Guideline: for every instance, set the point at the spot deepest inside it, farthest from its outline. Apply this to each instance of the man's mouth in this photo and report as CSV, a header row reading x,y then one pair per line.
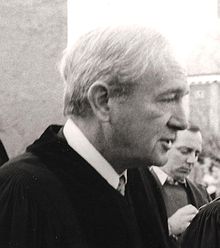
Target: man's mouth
x,y
184,170
168,143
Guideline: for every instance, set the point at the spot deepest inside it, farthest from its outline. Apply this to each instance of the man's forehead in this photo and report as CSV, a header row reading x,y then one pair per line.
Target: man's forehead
x,y
189,138
171,80
167,84
188,133
168,76
173,85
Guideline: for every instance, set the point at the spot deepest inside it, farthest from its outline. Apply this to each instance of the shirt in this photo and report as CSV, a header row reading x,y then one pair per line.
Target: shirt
x,y
162,176
78,141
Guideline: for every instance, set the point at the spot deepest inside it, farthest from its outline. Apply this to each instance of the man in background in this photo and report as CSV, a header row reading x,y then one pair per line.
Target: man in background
x,y
181,197
123,102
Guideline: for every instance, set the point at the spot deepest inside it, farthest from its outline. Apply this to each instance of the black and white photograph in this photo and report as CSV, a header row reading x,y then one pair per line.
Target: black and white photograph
x,y
110,124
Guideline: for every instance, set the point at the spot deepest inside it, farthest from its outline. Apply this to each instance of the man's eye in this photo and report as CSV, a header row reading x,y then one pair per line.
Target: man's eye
x,y
197,154
171,98
184,151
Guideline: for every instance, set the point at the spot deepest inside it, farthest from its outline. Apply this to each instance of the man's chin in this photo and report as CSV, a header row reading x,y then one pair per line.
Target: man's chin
x,y
160,160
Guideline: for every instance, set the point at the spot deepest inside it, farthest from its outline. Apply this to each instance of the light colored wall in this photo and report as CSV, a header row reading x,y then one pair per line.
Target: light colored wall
x,y
33,35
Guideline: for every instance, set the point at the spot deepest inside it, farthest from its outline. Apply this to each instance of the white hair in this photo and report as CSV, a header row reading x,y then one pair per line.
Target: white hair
x,y
121,57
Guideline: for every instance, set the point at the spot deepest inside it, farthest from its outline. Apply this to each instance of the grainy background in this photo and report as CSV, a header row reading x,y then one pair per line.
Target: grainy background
x,y
33,35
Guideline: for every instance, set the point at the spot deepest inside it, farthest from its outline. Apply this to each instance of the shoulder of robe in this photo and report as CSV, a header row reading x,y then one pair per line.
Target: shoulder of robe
x,y
26,175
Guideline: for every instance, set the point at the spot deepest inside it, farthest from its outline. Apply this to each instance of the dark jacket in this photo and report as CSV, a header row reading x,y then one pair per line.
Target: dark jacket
x,y
3,154
151,212
197,196
204,230
51,197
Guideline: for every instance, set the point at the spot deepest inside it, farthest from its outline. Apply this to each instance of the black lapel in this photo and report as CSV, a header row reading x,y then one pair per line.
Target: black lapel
x,y
150,215
150,182
196,197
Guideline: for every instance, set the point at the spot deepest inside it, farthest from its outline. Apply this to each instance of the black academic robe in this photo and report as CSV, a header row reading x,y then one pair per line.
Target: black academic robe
x,y
50,197
204,230
152,213
197,195
3,154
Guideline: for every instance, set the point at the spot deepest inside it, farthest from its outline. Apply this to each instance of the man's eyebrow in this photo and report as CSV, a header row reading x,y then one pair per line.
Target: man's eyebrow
x,y
185,147
188,148
178,91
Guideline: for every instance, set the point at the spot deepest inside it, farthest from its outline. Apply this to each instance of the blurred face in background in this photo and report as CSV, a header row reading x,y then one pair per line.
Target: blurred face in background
x,y
184,154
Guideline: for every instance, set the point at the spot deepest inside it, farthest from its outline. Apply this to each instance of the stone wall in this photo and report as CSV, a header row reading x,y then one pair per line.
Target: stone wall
x,y
33,35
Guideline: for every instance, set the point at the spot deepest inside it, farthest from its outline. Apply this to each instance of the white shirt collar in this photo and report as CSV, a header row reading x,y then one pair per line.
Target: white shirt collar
x,y
162,176
78,141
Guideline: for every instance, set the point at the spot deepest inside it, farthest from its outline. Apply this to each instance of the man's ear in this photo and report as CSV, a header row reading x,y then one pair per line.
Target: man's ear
x,y
98,96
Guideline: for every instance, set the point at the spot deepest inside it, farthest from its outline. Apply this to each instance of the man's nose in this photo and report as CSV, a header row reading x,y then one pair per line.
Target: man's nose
x,y
178,120
192,158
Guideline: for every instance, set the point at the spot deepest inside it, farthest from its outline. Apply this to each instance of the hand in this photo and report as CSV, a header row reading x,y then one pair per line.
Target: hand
x,y
181,219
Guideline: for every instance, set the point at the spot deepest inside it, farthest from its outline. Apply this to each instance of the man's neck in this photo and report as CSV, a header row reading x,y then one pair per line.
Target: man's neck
x,y
79,142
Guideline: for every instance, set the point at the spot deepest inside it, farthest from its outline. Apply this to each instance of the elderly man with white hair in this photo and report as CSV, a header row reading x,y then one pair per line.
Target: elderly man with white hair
x,y
72,187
